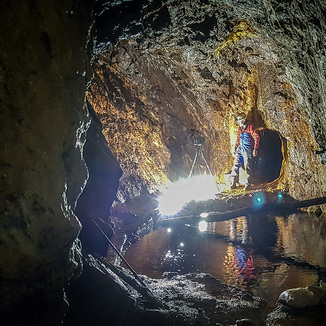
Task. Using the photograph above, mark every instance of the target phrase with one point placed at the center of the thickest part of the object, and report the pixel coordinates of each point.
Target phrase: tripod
(199, 153)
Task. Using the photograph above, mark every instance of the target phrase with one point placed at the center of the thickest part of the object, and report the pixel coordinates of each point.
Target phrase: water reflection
(239, 266)
(239, 230)
(311, 231)
(203, 226)
(263, 254)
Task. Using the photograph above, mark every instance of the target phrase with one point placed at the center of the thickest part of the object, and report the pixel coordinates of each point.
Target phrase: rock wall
(44, 68)
(168, 69)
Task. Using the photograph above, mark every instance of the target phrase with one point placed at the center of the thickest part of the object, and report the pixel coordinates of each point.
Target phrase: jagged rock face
(43, 68)
(165, 70)
(96, 199)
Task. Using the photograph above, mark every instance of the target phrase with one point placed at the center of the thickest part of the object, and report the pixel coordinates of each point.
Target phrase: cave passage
(267, 165)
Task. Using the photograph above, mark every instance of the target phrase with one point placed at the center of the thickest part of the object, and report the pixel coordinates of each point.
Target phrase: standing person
(246, 147)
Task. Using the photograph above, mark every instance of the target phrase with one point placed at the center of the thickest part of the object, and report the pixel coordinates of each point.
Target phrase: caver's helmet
(241, 116)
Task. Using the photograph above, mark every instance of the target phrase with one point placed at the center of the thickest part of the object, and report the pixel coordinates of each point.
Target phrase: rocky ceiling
(166, 71)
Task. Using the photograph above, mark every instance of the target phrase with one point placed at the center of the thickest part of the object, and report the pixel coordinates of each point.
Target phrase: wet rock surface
(190, 299)
(193, 299)
(283, 315)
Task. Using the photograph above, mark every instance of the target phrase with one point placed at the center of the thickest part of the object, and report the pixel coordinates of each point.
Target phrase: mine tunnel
(101, 102)
(267, 165)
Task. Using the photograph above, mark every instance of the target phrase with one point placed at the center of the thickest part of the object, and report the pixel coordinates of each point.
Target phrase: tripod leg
(193, 164)
(207, 166)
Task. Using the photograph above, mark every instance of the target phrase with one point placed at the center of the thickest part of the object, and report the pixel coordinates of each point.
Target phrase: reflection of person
(245, 264)
(246, 147)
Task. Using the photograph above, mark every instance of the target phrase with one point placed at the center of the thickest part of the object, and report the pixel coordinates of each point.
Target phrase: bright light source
(203, 215)
(203, 226)
(176, 195)
(169, 230)
(182, 244)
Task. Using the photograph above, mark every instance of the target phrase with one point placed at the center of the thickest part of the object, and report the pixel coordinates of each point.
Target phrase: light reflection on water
(265, 255)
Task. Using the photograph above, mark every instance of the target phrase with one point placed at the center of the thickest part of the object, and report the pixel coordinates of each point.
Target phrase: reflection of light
(280, 196)
(182, 244)
(168, 254)
(258, 199)
(203, 225)
(233, 232)
(169, 230)
(239, 230)
(203, 215)
(176, 195)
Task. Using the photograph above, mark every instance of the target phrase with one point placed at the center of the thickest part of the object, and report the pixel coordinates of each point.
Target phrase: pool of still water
(262, 254)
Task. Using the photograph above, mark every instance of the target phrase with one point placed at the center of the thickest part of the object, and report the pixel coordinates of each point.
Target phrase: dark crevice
(268, 163)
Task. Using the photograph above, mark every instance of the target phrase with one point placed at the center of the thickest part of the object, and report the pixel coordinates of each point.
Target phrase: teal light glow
(258, 199)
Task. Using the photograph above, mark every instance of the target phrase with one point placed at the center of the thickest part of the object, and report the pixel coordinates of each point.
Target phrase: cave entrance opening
(268, 163)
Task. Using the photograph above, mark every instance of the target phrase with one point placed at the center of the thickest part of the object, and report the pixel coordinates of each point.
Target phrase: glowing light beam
(175, 196)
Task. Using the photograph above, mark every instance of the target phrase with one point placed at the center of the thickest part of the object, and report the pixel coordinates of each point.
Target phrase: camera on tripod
(199, 141)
